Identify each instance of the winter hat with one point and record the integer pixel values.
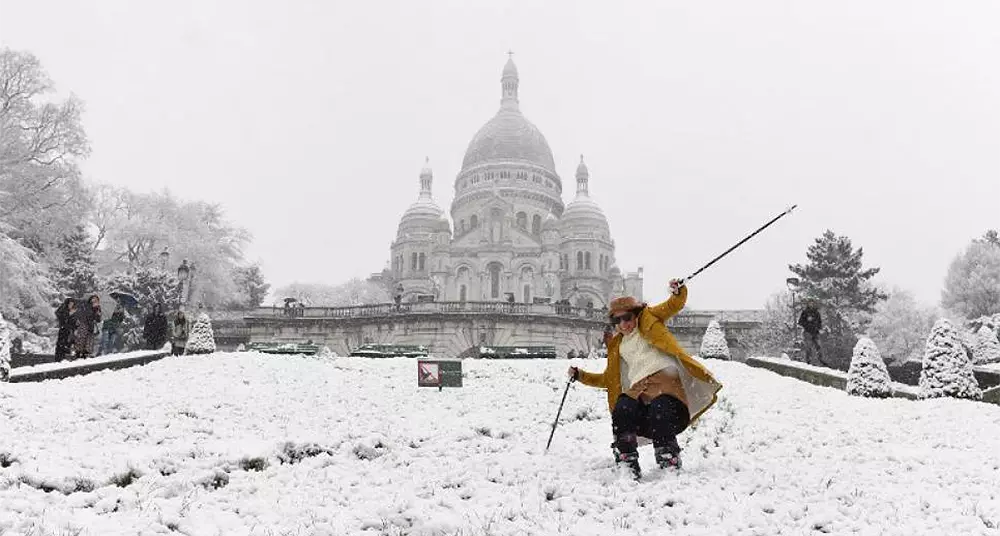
(624, 303)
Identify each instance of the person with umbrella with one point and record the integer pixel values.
(111, 331)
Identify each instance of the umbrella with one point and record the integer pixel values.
(125, 299)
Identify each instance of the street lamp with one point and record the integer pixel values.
(183, 273)
(793, 285)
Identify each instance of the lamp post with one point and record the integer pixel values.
(183, 274)
(793, 285)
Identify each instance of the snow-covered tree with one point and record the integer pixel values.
(947, 367)
(202, 338)
(985, 346)
(837, 280)
(775, 334)
(354, 292)
(76, 275)
(25, 286)
(972, 286)
(868, 375)
(134, 228)
(250, 286)
(713, 343)
(900, 326)
(41, 143)
(4, 350)
(149, 286)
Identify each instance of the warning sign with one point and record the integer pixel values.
(429, 374)
(439, 373)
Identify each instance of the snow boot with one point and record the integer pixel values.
(626, 451)
(668, 455)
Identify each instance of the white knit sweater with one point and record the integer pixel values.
(640, 359)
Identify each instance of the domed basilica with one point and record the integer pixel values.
(510, 236)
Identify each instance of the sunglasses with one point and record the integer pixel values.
(615, 320)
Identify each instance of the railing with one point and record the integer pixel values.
(685, 318)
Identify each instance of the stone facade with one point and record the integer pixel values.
(510, 236)
(451, 329)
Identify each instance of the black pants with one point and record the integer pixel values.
(814, 354)
(661, 421)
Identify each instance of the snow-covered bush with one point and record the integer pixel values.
(947, 367)
(4, 350)
(985, 346)
(202, 338)
(713, 344)
(868, 375)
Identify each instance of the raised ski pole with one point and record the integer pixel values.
(740, 243)
(555, 422)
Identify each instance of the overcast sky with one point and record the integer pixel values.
(699, 121)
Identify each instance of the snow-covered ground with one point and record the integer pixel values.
(252, 444)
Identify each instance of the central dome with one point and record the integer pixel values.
(509, 136)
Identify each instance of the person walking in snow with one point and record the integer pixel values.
(180, 329)
(88, 326)
(811, 323)
(655, 389)
(155, 329)
(66, 320)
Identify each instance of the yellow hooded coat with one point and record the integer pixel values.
(700, 386)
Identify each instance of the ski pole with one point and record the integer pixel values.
(555, 422)
(738, 244)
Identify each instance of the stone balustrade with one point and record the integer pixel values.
(688, 318)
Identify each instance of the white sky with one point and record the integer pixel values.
(699, 121)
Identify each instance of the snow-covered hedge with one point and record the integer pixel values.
(4, 350)
(202, 338)
(947, 367)
(713, 344)
(985, 346)
(868, 375)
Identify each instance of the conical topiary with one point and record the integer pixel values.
(868, 375)
(4, 350)
(985, 346)
(202, 339)
(713, 344)
(947, 367)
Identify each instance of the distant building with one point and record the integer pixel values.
(510, 236)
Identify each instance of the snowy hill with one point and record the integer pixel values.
(249, 444)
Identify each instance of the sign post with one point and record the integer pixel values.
(439, 373)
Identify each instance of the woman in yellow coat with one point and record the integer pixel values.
(655, 389)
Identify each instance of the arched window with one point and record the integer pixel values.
(494, 270)
(536, 224)
(579, 260)
(522, 221)
(527, 293)
(423, 258)
(586, 263)
(474, 221)
(462, 292)
(413, 262)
